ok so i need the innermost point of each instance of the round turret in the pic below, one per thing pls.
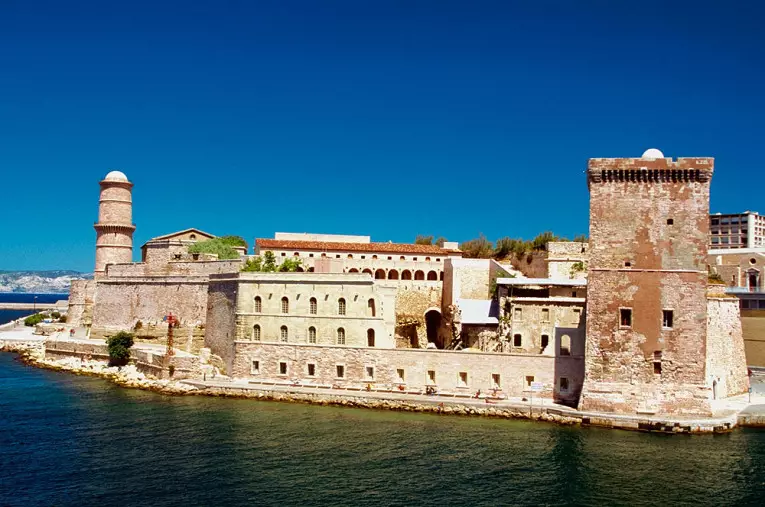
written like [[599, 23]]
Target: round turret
[[114, 229]]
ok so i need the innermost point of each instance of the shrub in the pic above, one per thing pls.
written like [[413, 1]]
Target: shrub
[[33, 320], [479, 248], [423, 240], [55, 314], [138, 326], [62, 318], [222, 247], [119, 348], [716, 278]]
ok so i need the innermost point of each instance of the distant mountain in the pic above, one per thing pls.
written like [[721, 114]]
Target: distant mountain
[[57, 281]]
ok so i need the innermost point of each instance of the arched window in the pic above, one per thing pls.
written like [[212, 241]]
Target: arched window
[[419, 275], [370, 337], [311, 334], [296, 254], [324, 254], [192, 237], [406, 275], [341, 336], [432, 275], [371, 308], [565, 345], [256, 332], [367, 270], [341, 306], [350, 256], [285, 305], [374, 257], [427, 259], [353, 270], [284, 334], [380, 274], [402, 258], [312, 306], [392, 274], [258, 304]]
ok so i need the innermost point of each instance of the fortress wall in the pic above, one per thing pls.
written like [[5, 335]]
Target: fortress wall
[[81, 294], [726, 360], [513, 369]]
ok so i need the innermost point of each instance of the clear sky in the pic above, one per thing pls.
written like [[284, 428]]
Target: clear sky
[[384, 118]]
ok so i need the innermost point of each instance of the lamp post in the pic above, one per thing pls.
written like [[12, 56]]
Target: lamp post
[[34, 305]]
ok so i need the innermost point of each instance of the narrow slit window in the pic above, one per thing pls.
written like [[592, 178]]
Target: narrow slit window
[[625, 317], [667, 319]]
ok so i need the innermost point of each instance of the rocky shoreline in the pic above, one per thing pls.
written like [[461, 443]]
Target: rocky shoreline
[[33, 354]]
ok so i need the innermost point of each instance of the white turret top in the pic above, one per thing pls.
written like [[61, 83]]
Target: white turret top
[[652, 153], [116, 176]]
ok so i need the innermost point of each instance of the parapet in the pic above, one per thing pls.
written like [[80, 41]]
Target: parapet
[[650, 170]]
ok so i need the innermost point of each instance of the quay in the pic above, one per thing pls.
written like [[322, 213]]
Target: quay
[[58, 305]]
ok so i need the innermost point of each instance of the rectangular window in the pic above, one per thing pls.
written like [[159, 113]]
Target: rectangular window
[[657, 367], [255, 370], [667, 319], [431, 376], [495, 381], [340, 371], [625, 317], [463, 379], [545, 315], [282, 368], [311, 370], [529, 380], [518, 314], [400, 375], [370, 371], [563, 384], [517, 340]]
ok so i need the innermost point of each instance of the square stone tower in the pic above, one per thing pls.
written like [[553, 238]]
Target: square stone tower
[[647, 285]]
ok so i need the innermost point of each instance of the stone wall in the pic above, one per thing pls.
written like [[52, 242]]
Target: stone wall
[[560, 320], [726, 360], [221, 326], [81, 297], [567, 259], [515, 371], [413, 300]]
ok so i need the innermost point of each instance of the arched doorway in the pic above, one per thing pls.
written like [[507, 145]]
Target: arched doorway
[[380, 274], [419, 275], [392, 274], [753, 279], [432, 275], [432, 323], [406, 275]]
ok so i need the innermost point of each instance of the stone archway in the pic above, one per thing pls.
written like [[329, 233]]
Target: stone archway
[[406, 275], [432, 325], [392, 274], [380, 274], [432, 275], [419, 275]]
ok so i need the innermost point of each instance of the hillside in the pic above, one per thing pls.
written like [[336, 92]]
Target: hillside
[[57, 281]]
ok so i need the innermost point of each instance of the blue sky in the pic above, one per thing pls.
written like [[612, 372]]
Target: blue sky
[[361, 117]]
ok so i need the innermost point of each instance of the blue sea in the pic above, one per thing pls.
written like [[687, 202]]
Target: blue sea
[[67, 440], [24, 297]]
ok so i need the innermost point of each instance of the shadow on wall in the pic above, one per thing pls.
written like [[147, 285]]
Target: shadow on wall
[[568, 372]]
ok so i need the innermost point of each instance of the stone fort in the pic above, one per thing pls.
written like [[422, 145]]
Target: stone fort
[[626, 323]]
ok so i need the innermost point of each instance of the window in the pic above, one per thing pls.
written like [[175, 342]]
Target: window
[[518, 314], [657, 367], [341, 336], [517, 340], [370, 372], [177, 257], [390, 258], [402, 258], [670, 221], [545, 315], [312, 306], [495, 381], [667, 319], [363, 256], [371, 308], [627, 264], [341, 306], [340, 371], [282, 367], [285, 305], [258, 304], [256, 333], [573, 293], [545, 341], [255, 369], [284, 254], [370, 337], [414, 258], [563, 384], [625, 317], [350, 256], [311, 369], [296, 254], [311, 334], [310, 255], [577, 315], [192, 236], [431, 376], [529, 380], [283, 333], [565, 345], [400, 375], [374, 257], [463, 382], [427, 259]]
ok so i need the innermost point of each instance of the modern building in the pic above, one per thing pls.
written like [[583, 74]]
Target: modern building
[[741, 230]]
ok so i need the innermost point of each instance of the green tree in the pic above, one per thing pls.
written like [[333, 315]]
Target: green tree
[[479, 248], [423, 240], [440, 241], [118, 346], [221, 247], [290, 265], [269, 262], [253, 264], [33, 320], [540, 242]]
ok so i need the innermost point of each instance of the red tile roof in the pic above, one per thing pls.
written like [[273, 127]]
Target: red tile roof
[[401, 248]]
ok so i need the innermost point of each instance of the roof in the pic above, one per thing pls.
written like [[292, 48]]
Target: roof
[[549, 282], [178, 233], [352, 247], [478, 311]]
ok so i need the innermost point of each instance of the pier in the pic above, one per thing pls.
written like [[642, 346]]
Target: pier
[[58, 305]]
